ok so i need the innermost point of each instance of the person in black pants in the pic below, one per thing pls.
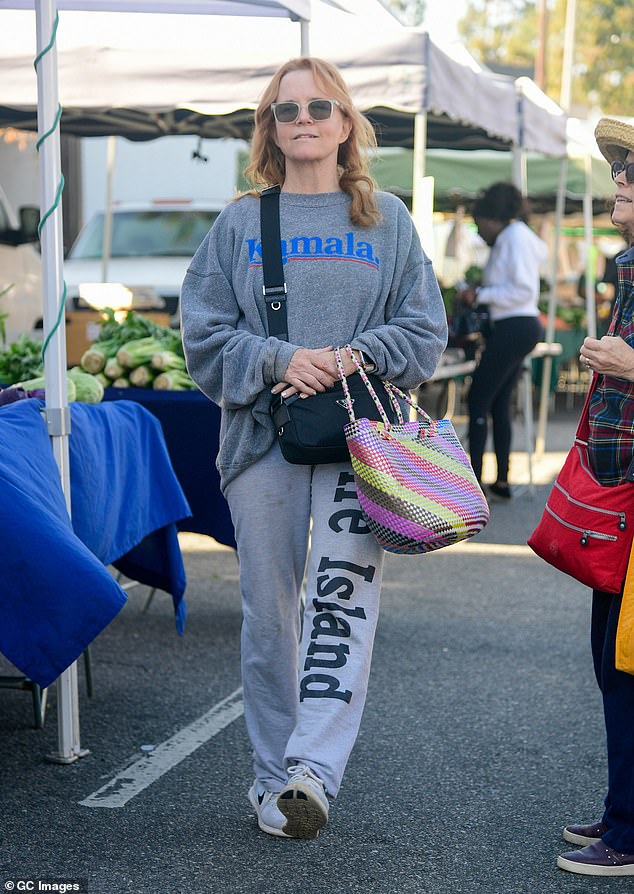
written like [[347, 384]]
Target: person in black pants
[[510, 290]]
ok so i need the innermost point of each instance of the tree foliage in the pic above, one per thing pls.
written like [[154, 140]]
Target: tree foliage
[[410, 12], [505, 32]]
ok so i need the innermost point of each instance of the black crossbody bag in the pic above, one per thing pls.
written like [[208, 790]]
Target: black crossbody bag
[[310, 430]]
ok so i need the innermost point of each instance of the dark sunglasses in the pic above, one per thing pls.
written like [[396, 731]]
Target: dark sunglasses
[[618, 167], [289, 112]]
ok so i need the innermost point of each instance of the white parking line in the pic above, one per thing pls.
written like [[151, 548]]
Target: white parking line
[[143, 772]]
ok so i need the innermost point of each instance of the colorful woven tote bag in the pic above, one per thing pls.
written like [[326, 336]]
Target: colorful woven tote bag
[[414, 481]]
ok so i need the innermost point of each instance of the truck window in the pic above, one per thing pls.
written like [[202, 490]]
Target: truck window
[[145, 233]]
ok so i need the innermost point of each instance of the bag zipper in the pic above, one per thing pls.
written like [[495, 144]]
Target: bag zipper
[[585, 532], [620, 515]]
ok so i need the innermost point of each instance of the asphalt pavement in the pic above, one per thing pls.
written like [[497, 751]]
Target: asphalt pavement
[[482, 737]]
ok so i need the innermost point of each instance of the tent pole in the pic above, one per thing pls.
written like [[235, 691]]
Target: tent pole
[[520, 178], [106, 249], [591, 312], [304, 32], [418, 168], [518, 153], [565, 94], [540, 441], [56, 411], [420, 149], [422, 188]]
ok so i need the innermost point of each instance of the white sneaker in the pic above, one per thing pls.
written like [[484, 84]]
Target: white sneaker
[[303, 802], [270, 819]]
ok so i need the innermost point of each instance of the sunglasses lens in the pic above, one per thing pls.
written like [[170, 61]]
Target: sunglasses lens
[[320, 109], [286, 112], [618, 167]]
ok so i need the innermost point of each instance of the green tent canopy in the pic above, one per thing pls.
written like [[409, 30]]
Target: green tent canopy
[[460, 176]]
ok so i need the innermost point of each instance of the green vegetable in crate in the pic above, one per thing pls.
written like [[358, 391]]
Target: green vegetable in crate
[[37, 383], [136, 326], [121, 382], [88, 389], [174, 380], [142, 376], [94, 359], [132, 327], [138, 352], [21, 360], [171, 340], [113, 369], [165, 360]]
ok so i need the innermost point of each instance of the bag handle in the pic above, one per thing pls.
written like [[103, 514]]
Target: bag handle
[[391, 389], [583, 426]]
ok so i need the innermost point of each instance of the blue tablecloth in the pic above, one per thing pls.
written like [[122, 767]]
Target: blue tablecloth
[[191, 426], [56, 595]]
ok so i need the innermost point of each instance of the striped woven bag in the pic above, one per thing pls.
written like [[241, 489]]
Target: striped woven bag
[[414, 481]]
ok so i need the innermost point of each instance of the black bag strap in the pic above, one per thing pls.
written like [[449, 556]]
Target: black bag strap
[[274, 287]]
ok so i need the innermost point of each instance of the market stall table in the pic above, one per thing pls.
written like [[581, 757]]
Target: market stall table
[[191, 426], [455, 365], [56, 595]]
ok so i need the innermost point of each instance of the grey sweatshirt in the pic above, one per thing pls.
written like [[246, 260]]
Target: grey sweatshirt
[[371, 287]]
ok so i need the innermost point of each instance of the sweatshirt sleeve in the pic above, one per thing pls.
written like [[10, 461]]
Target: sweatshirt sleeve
[[407, 348], [229, 363]]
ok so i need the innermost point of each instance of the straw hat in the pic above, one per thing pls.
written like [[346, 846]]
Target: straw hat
[[614, 139]]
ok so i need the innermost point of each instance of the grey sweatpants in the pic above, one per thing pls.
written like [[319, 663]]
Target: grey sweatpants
[[305, 677]]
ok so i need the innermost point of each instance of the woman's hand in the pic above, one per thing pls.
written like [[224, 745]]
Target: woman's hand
[[609, 356], [313, 370], [309, 371]]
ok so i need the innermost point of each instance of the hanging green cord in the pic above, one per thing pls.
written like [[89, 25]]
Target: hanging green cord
[[52, 128], [60, 315], [58, 194], [49, 45], [55, 204]]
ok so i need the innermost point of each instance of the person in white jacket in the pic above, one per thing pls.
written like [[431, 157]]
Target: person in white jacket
[[510, 290]]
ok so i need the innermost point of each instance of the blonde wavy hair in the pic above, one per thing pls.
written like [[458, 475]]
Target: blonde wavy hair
[[267, 165]]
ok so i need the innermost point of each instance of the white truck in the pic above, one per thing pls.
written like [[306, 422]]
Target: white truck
[[151, 248], [20, 272]]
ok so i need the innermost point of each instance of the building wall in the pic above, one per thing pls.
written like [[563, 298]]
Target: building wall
[[19, 168]]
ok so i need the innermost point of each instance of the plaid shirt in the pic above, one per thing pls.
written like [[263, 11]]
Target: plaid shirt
[[611, 439]]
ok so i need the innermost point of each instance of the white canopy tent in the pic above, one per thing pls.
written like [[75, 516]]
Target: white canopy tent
[[149, 78], [51, 184], [299, 9], [145, 80]]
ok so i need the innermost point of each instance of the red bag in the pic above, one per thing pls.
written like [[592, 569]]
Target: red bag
[[586, 529]]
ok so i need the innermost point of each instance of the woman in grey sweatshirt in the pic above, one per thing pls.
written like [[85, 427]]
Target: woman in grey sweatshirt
[[356, 274]]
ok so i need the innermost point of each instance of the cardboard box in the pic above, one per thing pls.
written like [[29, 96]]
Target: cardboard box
[[82, 328]]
